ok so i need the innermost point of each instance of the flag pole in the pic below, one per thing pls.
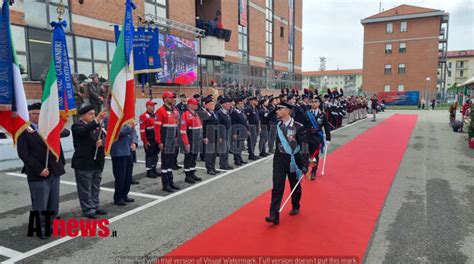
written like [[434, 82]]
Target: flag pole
[[47, 158], [102, 122]]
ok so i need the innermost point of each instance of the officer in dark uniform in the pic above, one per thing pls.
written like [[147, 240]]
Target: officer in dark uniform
[[291, 136], [240, 131], [43, 182], [191, 135], [182, 107], [272, 121], [225, 123], [264, 126], [147, 135], [210, 124], [318, 133], [166, 128], [254, 126]]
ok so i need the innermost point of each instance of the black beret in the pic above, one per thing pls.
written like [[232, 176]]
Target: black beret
[[196, 96], [86, 109], [225, 100], [93, 75], [34, 106], [285, 105], [290, 96], [182, 95]]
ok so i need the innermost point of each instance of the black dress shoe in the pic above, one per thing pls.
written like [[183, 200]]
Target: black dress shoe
[[100, 211], [227, 168], [91, 216], [129, 200], [173, 186], [294, 211], [253, 158], [211, 172], [238, 163], [168, 189], [151, 174], [243, 162], [120, 203], [134, 182], [264, 154], [216, 171], [271, 219]]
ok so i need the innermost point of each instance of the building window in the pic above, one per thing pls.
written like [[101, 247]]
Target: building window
[[388, 48], [282, 32], [389, 27], [459, 64], [449, 73], [450, 64], [94, 56], [403, 26], [243, 44], [19, 40], [269, 33], [386, 88], [461, 73], [388, 69], [403, 47], [401, 68], [156, 7], [401, 87], [40, 13]]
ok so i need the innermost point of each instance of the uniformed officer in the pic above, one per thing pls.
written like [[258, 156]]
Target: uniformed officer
[[318, 133], [264, 126], [147, 135], [166, 127], [289, 160], [273, 119], [88, 160], [182, 107], [254, 126], [43, 181], [210, 139], [225, 123], [240, 131], [191, 135]]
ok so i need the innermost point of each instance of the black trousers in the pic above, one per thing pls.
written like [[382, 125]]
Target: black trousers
[[280, 172], [211, 155], [264, 134], [312, 147], [237, 148], [272, 134], [252, 139], [151, 156], [167, 163], [223, 149], [122, 168]]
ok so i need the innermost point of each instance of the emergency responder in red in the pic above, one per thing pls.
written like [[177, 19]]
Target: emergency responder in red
[[191, 134], [166, 135], [147, 134]]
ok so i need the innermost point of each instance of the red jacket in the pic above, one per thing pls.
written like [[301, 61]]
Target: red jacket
[[147, 127], [190, 124], [166, 122]]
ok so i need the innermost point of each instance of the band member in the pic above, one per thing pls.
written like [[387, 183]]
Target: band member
[[88, 160], [191, 135], [225, 123], [288, 161], [240, 128], [147, 135], [254, 126], [43, 181], [316, 122], [166, 126]]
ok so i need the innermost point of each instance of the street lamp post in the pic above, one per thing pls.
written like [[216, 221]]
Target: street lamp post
[[427, 84]]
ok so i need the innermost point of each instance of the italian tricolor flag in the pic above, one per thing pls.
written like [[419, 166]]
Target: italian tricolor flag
[[50, 123], [14, 122], [122, 105]]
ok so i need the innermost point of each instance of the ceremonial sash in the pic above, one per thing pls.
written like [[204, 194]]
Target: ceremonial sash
[[287, 148], [316, 126]]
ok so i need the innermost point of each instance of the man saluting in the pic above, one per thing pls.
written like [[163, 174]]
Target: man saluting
[[289, 160]]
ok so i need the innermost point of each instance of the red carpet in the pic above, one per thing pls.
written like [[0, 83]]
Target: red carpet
[[338, 210]]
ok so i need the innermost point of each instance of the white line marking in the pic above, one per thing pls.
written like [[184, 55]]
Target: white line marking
[[9, 252], [271, 158], [133, 211], [101, 188]]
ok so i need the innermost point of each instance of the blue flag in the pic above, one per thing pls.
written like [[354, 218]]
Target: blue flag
[[6, 60], [63, 70]]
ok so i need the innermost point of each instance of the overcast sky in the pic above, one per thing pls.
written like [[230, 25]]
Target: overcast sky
[[332, 29]]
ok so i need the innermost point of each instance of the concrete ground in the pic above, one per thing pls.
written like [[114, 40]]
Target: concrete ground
[[428, 215]]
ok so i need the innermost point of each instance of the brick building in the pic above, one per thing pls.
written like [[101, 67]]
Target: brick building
[[404, 48], [258, 53]]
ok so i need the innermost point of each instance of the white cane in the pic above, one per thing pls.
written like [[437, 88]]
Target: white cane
[[287, 199], [325, 155]]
